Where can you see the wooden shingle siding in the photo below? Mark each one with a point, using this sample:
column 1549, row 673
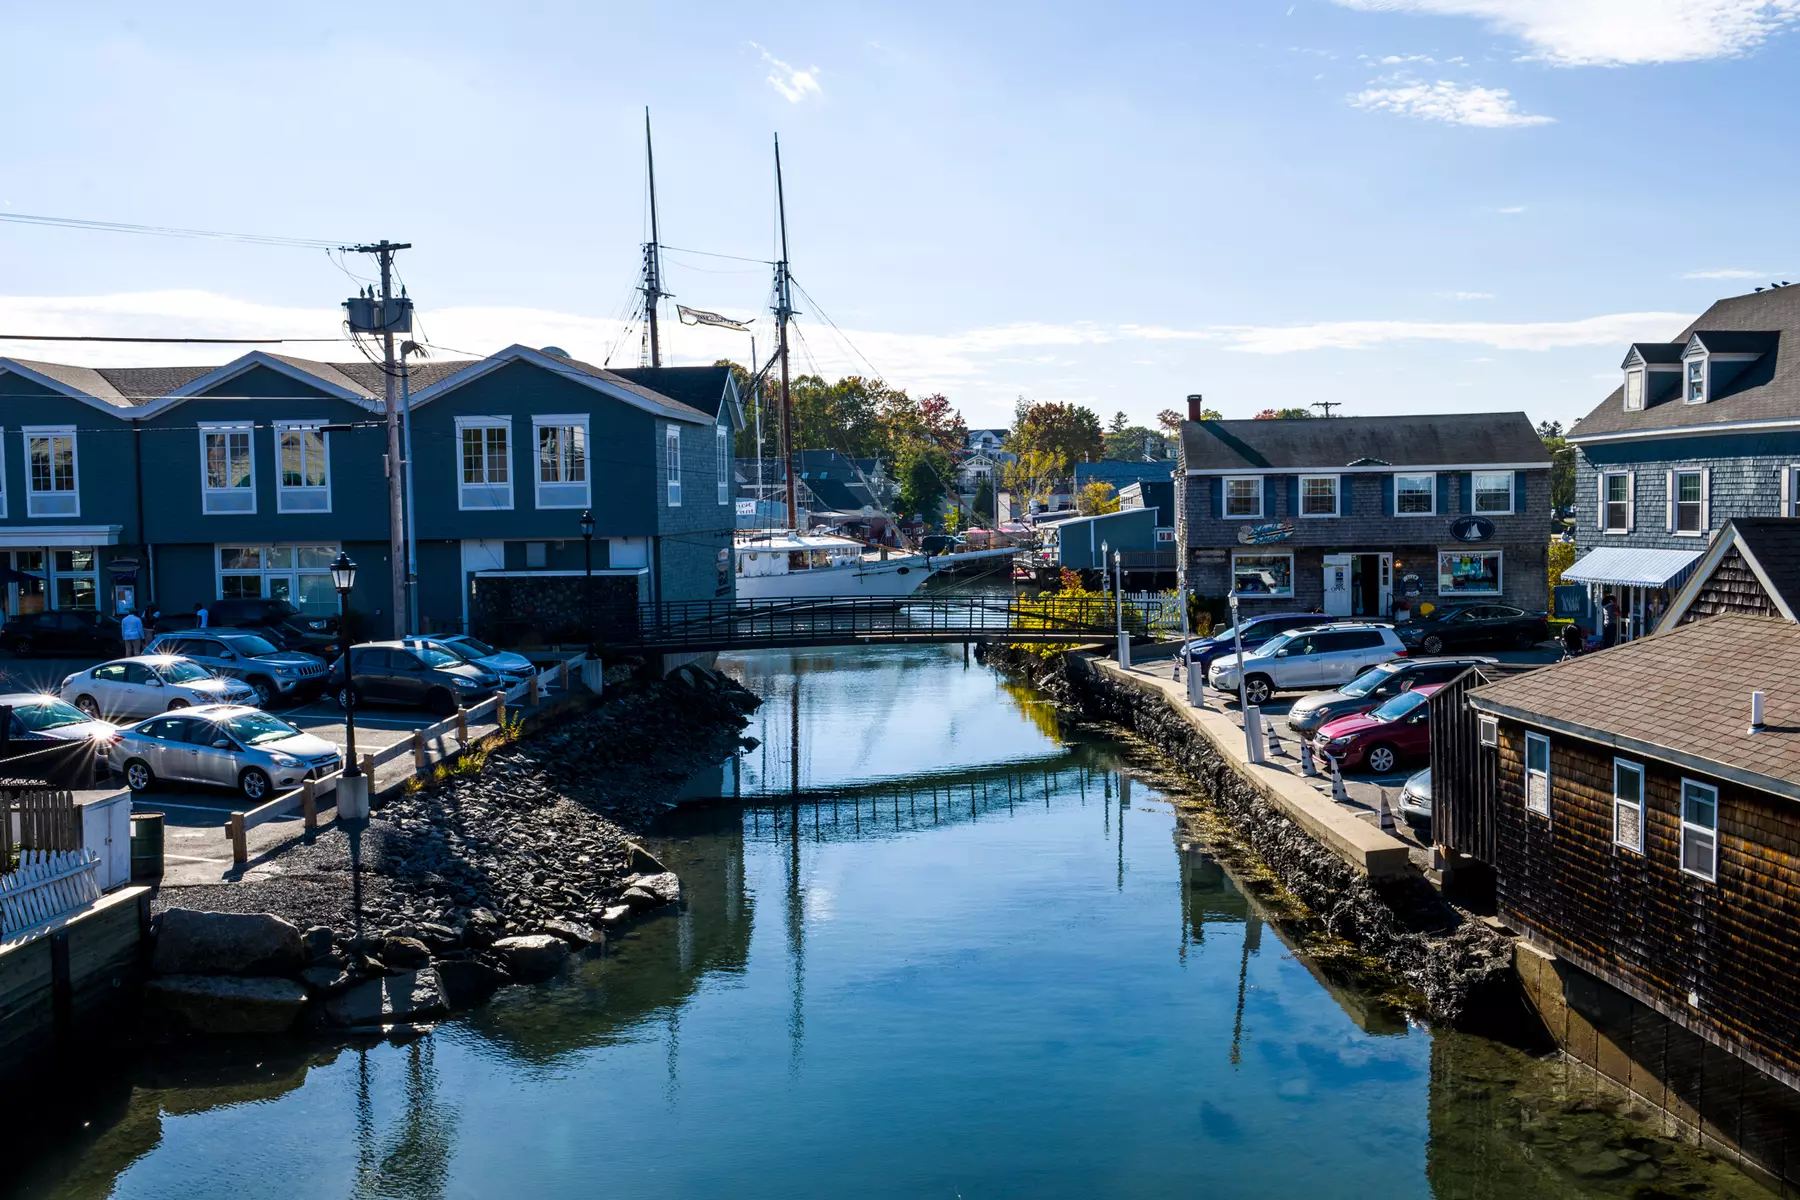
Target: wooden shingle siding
column 1732, row 588
column 1659, row 931
column 1743, row 480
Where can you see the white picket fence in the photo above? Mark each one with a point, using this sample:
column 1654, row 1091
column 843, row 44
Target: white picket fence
column 1160, row 610
column 47, row 884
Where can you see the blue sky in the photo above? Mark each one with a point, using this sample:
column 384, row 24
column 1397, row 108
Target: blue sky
column 1407, row 205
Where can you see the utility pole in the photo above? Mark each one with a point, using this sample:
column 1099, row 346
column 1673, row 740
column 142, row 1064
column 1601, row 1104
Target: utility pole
column 652, row 288
column 784, row 311
column 395, row 316
column 1327, row 405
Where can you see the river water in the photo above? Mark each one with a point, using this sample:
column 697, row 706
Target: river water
column 934, row 943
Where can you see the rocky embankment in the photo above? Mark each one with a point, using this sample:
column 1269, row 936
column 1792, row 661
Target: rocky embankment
column 492, row 872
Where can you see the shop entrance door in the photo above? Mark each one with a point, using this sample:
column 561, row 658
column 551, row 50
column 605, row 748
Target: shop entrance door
column 1371, row 585
column 1337, row 584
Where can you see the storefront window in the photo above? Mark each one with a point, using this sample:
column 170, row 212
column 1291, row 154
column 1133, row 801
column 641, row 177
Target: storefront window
column 76, row 580
column 298, row 574
column 1469, row 573
column 29, row 593
column 1262, row 574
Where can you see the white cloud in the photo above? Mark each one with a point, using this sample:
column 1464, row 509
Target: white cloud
column 1512, row 210
column 1725, row 273
column 1615, row 328
column 1610, row 33
column 1457, row 104
column 794, row 83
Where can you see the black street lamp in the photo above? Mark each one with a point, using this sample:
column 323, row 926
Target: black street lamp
column 587, row 586
column 587, row 540
column 353, row 787
column 343, row 577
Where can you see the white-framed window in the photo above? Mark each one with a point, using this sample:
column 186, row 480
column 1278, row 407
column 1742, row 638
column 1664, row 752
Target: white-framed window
column 52, row 472
column 562, row 461
column 1628, row 804
column 1537, row 774
column 1415, row 495
column 1700, row 829
column 1634, row 389
column 1243, row 496
column 75, row 580
column 722, row 461
column 672, row 453
column 227, row 469
column 1318, row 495
column 1695, row 392
column 1261, row 573
column 302, row 467
column 1689, row 501
column 1493, row 493
column 1615, row 506
column 1790, row 493
column 484, row 460
column 1468, row 573
column 300, row 574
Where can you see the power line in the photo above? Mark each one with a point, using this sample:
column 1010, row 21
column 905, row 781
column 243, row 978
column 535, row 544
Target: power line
column 767, row 262
column 260, row 239
column 206, row 341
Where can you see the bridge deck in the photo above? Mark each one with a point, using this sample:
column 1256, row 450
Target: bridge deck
column 748, row 625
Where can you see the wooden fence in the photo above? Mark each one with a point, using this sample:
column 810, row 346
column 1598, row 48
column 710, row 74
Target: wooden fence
column 47, row 884
column 306, row 798
column 47, row 821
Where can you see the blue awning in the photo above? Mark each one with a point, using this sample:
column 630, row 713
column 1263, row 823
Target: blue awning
column 1627, row 566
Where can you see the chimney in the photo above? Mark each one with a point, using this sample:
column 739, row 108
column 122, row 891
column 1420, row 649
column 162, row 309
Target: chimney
column 1194, row 407
column 1756, row 712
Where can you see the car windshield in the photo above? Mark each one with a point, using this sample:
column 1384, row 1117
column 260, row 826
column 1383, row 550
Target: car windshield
column 1399, row 706
column 480, row 648
column 182, row 672
column 435, row 656
column 1275, row 643
column 251, row 646
column 48, row 714
column 1367, row 682
column 1223, row 635
column 255, row 728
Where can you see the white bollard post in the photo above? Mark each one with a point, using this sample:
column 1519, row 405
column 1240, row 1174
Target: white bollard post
column 1275, row 746
column 1338, row 792
column 1387, row 812
column 1253, row 735
column 1196, row 687
column 1306, row 761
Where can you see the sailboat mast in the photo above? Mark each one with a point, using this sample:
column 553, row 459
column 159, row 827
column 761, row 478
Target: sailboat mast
column 784, row 309
column 652, row 255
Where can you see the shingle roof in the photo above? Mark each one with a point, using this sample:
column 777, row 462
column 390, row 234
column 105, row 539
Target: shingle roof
column 83, row 379
column 1327, row 443
column 1659, row 352
column 140, row 385
column 420, row 374
column 1775, row 544
column 666, row 403
column 1681, row 696
column 697, row 387
column 1768, row 389
column 1119, row 471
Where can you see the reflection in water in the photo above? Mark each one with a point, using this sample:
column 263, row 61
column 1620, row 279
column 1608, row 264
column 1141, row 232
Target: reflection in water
column 966, row 987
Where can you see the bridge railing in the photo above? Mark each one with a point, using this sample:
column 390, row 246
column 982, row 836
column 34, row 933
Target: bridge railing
column 719, row 623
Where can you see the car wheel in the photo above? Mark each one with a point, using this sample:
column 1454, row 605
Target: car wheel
column 1522, row 640
column 346, row 698
column 138, row 776
column 254, row 784
column 1433, row 644
column 1258, row 689
column 1381, row 758
column 88, row 705
column 265, row 692
column 441, row 702
column 23, row 647
column 175, row 704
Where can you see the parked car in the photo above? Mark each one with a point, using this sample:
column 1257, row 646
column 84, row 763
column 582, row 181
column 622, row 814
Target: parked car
column 238, row 654
column 1415, row 798
column 1323, row 656
column 61, row 633
column 411, row 673
column 1472, row 625
column 1375, row 687
column 512, row 668
column 39, row 720
column 281, row 621
column 1382, row 739
column 226, row 745
column 130, row 688
column 1256, row 631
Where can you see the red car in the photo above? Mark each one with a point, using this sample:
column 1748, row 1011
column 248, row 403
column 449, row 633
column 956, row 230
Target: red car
column 1379, row 740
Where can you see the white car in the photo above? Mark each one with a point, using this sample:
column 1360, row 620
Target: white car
column 130, row 688
column 1321, row 656
column 224, row 745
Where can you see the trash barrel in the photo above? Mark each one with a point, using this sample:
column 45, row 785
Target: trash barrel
column 146, row 846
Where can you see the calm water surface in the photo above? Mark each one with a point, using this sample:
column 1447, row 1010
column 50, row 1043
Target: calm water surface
column 931, row 945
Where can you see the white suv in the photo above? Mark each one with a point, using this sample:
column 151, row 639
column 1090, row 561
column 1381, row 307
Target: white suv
column 1321, row 656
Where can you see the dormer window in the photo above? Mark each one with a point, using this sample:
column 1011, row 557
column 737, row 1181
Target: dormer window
column 1696, row 380
column 1634, row 389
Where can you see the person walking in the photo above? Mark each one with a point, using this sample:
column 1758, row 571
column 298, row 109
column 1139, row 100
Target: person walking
column 131, row 629
column 201, row 616
column 1609, row 623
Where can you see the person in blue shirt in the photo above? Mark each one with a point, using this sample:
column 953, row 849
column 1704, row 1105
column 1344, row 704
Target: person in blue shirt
column 200, row 615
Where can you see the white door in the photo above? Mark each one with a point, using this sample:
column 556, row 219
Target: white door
column 1337, row 584
column 1387, row 586
column 479, row 554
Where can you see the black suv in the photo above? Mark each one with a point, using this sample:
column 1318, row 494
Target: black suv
column 281, row 621
column 61, row 633
column 412, row 673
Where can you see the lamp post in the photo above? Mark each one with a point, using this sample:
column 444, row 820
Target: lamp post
column 353, row 785
column 587, row 564
column 1252, row 717
column 1119, row 604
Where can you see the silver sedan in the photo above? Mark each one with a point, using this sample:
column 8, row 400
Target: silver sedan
column 128, row 688
column 224, row 745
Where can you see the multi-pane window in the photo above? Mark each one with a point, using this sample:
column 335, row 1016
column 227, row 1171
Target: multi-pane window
column 1243, row 496
column 1696, row 380
column 562, row 457
column 1318, row 495
column 300, row 574
column 1688, row 493
column 1415, row 495
column 485, row 446
column 1700, row 829
column 1537, row 774
column 1617, row 514
column 76, row 579
column 672, row 453
column 1628, row 805
column 722, row 462
column 228, row 482
column 1634, row 390
column 303, row 483
column 1469, row 573
column 1493, row 492
column 50, row 473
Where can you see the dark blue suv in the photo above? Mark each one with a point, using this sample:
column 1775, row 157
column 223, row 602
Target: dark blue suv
column 1257, row 630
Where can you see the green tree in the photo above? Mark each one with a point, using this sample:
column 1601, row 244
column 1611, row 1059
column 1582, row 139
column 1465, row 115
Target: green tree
column 924, row 470
column 1136, row 444
column 1285, row 414
column 1562, row 463
column 1096, row 497
column 984, row 501
column 1070, row 431
column 1035, row 474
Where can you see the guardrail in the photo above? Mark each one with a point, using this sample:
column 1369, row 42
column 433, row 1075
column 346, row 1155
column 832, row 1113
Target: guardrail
column 308, row 794
column 747, row 624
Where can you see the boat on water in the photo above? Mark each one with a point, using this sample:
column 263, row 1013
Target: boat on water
column 783, row 564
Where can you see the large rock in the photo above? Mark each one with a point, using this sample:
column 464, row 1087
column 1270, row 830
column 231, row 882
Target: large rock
column 653, row 891
column 410, row 996
column 467, row 982
column 406, row 953
column 642, row 861
column 615, row 914
column 315, row 943
column 533, row 956
column 206, row 943
column 574, row 933
column 222, row 1004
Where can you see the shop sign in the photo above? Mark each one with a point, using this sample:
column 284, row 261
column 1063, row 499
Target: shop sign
column 1472, row 529
column 1409, row 583
column 1262, row 535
